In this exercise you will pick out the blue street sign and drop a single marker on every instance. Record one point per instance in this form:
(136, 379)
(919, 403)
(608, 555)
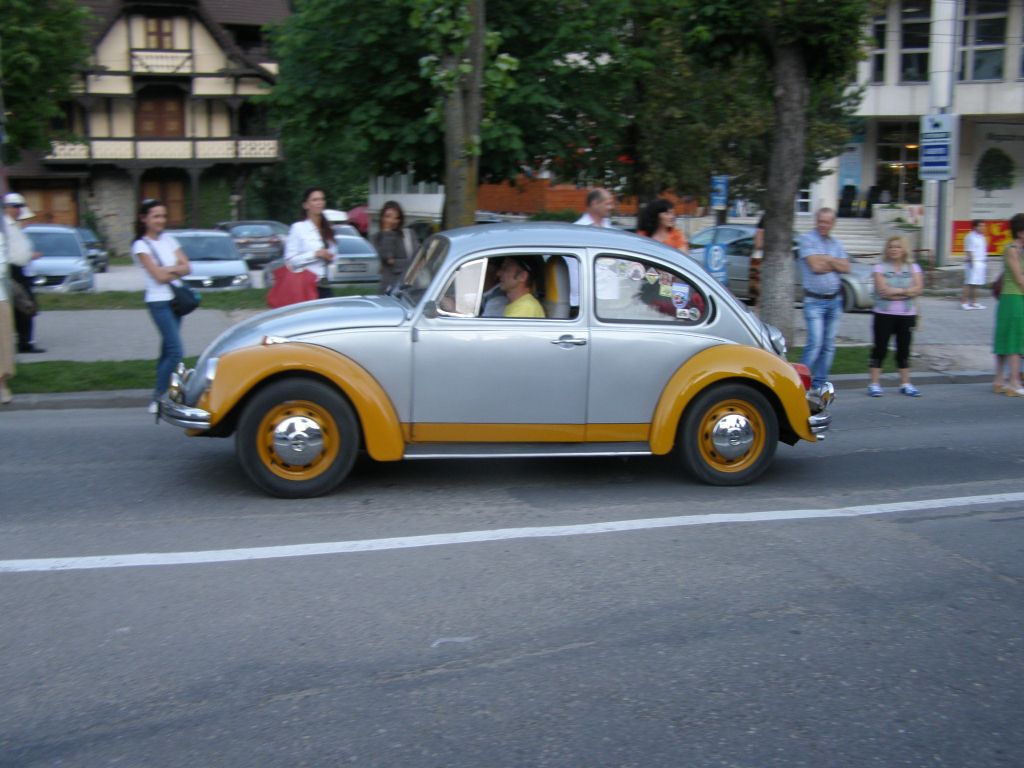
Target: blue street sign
(938, 147)
(719, 192)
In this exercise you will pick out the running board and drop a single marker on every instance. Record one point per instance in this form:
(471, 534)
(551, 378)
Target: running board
(522, 450)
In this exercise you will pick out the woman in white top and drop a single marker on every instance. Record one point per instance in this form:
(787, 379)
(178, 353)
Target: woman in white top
(310, 244)
(6, 326)
(163, 262)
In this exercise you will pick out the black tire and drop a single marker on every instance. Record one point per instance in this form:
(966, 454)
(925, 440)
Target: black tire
(754, 430)
(318, 438)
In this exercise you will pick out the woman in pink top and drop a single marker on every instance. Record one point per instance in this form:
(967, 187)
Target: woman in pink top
(897, 281)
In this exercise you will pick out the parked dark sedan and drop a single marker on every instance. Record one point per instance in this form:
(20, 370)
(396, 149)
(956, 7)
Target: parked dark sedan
(258, 241)
(98, 254)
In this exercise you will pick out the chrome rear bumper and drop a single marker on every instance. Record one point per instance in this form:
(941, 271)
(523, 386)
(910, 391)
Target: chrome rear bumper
(820, 400)
(183, 416)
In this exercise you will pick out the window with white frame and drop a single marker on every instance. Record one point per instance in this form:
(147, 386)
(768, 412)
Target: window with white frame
(878, 27)
(915, 21)
(983, 40)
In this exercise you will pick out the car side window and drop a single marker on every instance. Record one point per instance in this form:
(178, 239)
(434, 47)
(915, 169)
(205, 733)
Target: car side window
(743, 247)
(475, 290)
(635, 290)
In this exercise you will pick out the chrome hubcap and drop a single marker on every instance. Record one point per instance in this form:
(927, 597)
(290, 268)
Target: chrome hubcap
(732, 436)
(298, 440)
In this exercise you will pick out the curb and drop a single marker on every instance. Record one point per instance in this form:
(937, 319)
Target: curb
(139, 398)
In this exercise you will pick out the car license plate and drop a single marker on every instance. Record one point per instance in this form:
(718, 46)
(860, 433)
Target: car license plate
(351, 267)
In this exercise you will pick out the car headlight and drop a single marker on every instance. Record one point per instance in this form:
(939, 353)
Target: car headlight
(240, 280)
(209, 371)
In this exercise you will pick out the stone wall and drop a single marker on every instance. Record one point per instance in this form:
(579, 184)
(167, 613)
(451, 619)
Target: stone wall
(112, 201)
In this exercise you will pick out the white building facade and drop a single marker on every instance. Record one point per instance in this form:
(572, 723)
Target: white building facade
(928, 56)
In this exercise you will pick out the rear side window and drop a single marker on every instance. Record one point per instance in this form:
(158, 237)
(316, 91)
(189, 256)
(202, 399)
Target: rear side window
(635, 290)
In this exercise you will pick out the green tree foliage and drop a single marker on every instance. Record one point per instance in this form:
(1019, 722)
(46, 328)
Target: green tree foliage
(809, 50)
(42, 45)
(995, 171)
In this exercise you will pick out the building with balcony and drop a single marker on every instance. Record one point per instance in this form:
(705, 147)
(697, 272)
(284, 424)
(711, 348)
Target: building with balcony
(164, 109)
(959, 56)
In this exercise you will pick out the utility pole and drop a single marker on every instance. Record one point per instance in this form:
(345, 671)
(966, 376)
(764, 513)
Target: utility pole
(941, 79)
(3, 125)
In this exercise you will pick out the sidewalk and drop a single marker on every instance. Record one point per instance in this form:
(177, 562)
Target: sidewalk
(951, 345)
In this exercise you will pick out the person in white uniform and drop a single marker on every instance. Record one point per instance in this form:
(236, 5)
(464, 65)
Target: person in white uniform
(975, 256)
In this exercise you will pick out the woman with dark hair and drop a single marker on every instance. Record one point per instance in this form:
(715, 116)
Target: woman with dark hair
(1008, 344)
(163, 262)
(658, 221)
(394, 243)
(310, 245)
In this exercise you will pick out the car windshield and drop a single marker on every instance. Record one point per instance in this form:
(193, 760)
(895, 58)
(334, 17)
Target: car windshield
(88, 235)
(252, 230)
(208, 247)
(55, 244)
(354, 246)
(425, 266)
(703, 237)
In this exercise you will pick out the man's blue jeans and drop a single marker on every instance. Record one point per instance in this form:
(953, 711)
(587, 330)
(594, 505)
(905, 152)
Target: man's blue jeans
(171, 350)
(822, 319)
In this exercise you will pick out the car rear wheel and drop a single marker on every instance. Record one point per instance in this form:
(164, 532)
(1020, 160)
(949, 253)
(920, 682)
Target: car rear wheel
(728, 435)
(297, 438)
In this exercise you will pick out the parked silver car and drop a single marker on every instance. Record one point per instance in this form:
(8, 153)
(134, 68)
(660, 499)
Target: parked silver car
(634, 350)
(738, 242)
(357, 260)
(216, 263)
(64, 266)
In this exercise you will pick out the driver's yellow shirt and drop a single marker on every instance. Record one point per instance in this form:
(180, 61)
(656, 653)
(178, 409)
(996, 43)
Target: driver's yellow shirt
(525, 306)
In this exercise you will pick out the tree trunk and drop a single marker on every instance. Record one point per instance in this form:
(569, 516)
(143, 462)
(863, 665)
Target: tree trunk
(463, 109)
(791, 92)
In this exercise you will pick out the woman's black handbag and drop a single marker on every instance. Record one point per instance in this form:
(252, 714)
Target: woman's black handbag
(185, 299)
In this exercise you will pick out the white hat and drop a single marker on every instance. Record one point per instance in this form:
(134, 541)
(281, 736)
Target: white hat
(14, 200)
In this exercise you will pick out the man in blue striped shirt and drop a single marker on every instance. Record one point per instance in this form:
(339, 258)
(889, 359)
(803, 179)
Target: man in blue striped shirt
(822, 259)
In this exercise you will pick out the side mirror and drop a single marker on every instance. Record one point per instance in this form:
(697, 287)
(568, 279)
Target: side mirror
(430, 309)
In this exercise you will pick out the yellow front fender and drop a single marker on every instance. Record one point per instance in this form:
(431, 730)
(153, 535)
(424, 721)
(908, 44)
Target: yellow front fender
(737, 363)
(240, 371)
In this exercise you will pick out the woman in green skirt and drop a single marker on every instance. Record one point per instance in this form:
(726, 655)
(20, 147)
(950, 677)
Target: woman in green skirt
(1009, 335)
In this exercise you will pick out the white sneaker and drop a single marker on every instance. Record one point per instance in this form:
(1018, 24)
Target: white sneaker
(153, 407)
(977, 306)
(966, 306)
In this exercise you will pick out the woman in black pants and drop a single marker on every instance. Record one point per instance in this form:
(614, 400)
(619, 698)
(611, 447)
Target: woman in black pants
(898, 280)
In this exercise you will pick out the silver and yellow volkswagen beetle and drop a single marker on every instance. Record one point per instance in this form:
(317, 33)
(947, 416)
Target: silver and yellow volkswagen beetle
(631, 349)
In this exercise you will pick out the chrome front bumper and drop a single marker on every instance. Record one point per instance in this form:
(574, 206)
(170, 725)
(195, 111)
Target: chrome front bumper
(820, 400)
(177, 413)
(183, 416)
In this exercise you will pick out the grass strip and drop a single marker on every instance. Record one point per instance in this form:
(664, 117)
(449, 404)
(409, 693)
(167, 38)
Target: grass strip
(249, 298)
(72, 376)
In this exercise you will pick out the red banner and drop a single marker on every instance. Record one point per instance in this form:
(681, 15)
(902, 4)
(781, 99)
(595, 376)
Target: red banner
(997, 235)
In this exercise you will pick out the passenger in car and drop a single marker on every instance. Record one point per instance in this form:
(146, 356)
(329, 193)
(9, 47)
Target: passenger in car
(516, 276)
(494, 299)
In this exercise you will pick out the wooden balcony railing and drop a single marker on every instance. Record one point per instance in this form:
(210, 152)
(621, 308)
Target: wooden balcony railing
(254, 149)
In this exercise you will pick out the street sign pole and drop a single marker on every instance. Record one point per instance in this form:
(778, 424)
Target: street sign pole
(938, 144)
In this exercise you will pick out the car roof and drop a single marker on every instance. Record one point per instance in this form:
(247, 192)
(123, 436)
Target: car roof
(250, 221)
(193, 232)
(551, 235)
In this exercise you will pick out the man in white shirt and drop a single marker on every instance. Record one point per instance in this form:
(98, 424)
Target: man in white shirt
(20, 255)
(600, 203)
(975, 256)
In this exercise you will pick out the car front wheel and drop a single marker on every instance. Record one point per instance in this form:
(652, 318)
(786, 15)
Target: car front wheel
(728, 435)
(297, 438)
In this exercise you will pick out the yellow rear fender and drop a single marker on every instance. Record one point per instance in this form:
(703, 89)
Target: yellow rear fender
(241, 371)
(773, 375)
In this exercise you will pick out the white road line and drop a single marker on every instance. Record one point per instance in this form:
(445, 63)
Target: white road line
(472, 537)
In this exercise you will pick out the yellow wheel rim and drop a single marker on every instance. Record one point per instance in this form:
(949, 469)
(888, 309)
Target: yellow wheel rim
(732, 436)
(298, 440)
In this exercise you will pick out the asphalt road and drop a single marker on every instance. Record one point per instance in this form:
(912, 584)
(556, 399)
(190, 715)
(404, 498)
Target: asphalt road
(823, 633)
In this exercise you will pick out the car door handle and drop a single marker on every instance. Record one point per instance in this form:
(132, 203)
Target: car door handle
(568, 340)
